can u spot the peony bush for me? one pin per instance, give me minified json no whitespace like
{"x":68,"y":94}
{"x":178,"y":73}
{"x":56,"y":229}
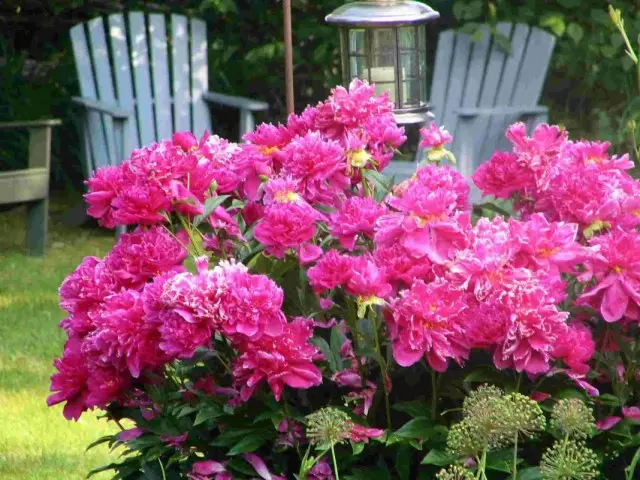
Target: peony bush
{"x":280,"y":309}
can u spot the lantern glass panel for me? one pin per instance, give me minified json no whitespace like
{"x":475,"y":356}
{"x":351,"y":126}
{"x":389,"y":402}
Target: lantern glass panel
{"x":407,"y":38}
{"x":357,"y":41}
{"x":359,"y":67}
{"x":410,"y":93}
{"x":409,"y":67}
{"x":422,"y":41}
{"x":380,"y":88}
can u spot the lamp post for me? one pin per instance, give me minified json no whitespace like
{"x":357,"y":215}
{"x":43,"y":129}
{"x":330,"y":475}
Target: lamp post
{"x":384,"y":42}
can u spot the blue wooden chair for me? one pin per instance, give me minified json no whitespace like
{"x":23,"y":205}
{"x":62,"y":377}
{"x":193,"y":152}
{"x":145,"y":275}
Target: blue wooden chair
{"x":142,"y":78}
{"x":479,"y":88}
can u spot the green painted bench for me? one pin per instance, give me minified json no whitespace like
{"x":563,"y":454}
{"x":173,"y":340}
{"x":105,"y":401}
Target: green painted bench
{"x":31,"y":185}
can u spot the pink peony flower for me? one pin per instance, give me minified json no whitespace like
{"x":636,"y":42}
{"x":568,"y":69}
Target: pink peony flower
{"x":534,"y":327}
{"x":141,"y":255}
{"x":434,"y":137}
{"x":502,"y":176}
{"x":69,"y":384}
{"x":123,"y":335}
{"x":103,"y":187}
{"x":130,"y":434}
{"x":318,"y":165}
{"x":632,"y":413}
{"x":331,"y":271}
{"x":426,"y":321}
{"x":616,"y":269}
{"x":141,"y":203}
{"x":321,"y":471}
{"x":355,"y":216}
{"x":360,"y":434}
{"x":576,"y":347}
{"x":366,"y":280}
{"x":286,"y":226}
{"x":249,"y":305}
{"x":400,"y":267}
{"x":260,"y":467}
{"x":284,"y":360}
{"x":607,"y":423}
{"x":208,"y":470}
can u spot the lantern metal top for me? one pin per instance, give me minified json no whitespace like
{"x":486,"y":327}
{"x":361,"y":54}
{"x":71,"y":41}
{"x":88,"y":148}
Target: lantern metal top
{"x":382,"y":13}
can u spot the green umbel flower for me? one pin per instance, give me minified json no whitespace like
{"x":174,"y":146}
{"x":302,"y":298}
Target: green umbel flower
{"x":481,"y":399}
{"x":523,"y":415}
{"x":454,"y":472}
{"x":573,"y":418}
{"x":327,"y":426}
{"x":569,"y":460}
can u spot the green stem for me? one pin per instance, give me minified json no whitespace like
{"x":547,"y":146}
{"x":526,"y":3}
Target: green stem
{"x":335,"y":464}
{"x":383,"y":367}
{"x":434,"y":394}
{"x":518,"y":382}
{"x":187,"y":229}
{"x":164,"y":475}
{"x":481,"y":475}
{"x":514,"y":469}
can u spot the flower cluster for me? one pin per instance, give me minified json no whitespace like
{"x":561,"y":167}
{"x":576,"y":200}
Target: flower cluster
{"x":265,"y":283}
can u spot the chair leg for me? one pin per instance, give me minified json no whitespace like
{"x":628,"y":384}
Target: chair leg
{"x":37,"y":213}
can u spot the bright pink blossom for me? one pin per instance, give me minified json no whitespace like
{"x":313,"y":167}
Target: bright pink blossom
{"x":425,"y":321}
{"x":575,"y":347}
{"x":355,"y":217}
{"x":360,"y":434}
{"x":285,"y":360}
{"x":502,"y":176}
{"x":331,"y":271}
{"x":434,"y":136}
{"x":631,"y":412}
{"x":616,"y":269}
{"x":103,"y":187}
{"x":145,"y":253}
{"x":607,"y":423}
{"x":69,"y":384}
{"x":321,"y":471}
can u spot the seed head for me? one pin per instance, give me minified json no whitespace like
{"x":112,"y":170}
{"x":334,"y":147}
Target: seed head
{"x":569,"y":460}
{"x":327,"y":427}
{"x":572,"y":417}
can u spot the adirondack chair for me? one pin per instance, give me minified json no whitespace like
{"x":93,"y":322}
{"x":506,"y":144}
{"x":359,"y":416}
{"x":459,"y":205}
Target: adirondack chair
{"x":161,"y":85}
{"x":479,"y":88}
{"x":30,"y":186}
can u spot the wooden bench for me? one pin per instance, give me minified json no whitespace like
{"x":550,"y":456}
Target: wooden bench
{"x":31,"y":185}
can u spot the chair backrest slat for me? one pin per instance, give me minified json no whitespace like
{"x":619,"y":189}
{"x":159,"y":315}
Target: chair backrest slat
{"x":533,"y":70}
{"x":457,"y":80}
{"x":441,"y":72}
{"x":199,"y":76}
{"x":141,"y":76}
{"x":93,"y":129}
{"x":180,"y":62}
{"x":104,"y":81}
{"x":495,"y":67}
{"x":122,"y":71}
{"x":477,"y":68}
{"x":160,"y":71}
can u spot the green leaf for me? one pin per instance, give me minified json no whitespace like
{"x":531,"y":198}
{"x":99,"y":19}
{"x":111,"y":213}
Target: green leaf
{"x":608,"y":399}
{"x":470,"y":28}
{"x":531,"y":473}
{"x":209,"y":206}
{"x":403,"y":462}
{"x":324,"y":347}
{"x":337,"y":340}
{"x":503,"y":42}
{"x":101,"y":440}
{"x":555,"y":23}
{"x":382,"y":183}
{"x":570,"y":3}
{"x":418,"y":429}
{"x":438,"y":457}
{"x":207,"y":413}
{"x":369,"y":473}
{"x":414,"y":408}
{"x":500,"y":461}
{"x":575,"y":32}
{"x":357,"y":448}
{"x":250,"y":443}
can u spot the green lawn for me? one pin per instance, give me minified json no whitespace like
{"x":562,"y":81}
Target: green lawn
{"x":36,"y":442}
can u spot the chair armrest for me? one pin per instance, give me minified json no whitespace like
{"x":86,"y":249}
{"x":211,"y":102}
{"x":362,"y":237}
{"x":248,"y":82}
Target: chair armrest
{"x":30,"y":124}
{"x":98,"y":106}
{"x":482,"y":111}
{"x":241,"y":103}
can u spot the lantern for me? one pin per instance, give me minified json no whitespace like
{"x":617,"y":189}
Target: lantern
{"x":384,"y":42}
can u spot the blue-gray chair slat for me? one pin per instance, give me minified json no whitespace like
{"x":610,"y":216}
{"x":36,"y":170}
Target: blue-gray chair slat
{"x":143,"y":77}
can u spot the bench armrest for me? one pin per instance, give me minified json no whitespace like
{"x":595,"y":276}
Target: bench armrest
{"x":241,"y":103}
{"x":113,"y":110}
{"x":54,"y":122}
{"x":482,"y":111}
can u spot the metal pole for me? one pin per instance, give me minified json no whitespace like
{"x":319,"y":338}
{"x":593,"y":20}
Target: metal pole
{"x":288,"y":55}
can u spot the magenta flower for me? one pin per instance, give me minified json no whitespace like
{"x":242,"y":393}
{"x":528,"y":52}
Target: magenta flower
{"x":575,"y":347}
{"x":208,"y":470}
{"x":425,"y":321}
{"x":632,"y":413}
{"x":70,"y":383}
{"x":260,"y":467}
{"x":502,"y":176}
{"x":318,"y":165}
{"x":141,"y":255}
{"x":321,"y":471}
{"x":535,"y":325}
{"x":616,"y":269}
{"x":360,"y":434}
{"x":331,"y":271}
{"x":367,"y":281}
{"x":286,"y":360}
{"x":434,"y":136}
{"x":607,"y":423}
{"x":356,"y":216}
{"x":103,"y":187}
{"x":286,"y":226}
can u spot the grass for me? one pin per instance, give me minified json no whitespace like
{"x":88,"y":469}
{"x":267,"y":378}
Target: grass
{"x":36,"y":442}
